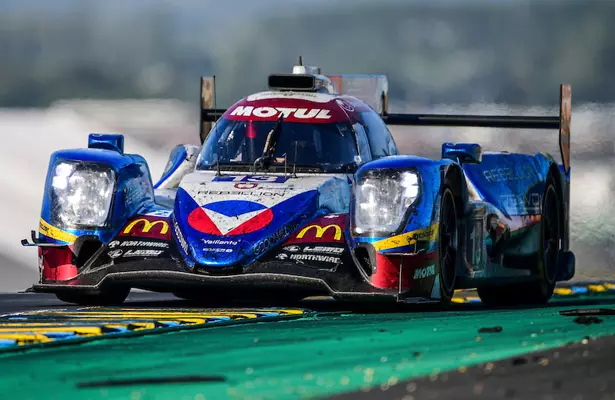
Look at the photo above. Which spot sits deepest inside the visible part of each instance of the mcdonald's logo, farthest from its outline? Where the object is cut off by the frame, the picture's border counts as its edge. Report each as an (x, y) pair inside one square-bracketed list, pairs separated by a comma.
[(147, 227), (320, 231)]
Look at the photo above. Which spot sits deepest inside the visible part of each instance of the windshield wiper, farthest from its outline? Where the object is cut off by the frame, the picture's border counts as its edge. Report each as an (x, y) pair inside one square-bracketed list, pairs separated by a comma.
[(270, 145)]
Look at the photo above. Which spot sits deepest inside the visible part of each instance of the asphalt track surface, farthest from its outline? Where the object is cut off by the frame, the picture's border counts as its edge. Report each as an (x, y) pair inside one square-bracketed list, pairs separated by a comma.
[(560, 351)]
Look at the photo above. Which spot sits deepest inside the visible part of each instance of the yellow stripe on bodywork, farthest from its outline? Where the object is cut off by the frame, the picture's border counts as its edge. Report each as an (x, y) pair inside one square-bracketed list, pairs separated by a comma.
[(55, 233), (408, 238)]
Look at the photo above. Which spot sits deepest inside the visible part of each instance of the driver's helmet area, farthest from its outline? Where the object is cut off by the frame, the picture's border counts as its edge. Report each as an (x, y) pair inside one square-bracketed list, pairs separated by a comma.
[(311, 144)]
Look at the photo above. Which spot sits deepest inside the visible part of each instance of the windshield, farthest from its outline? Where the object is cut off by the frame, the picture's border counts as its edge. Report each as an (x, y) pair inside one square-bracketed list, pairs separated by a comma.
[(328, 147)]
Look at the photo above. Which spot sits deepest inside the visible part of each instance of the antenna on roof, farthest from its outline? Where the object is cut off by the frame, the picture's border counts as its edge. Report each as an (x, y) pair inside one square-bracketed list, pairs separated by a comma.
[(300, 60), (295, 161)]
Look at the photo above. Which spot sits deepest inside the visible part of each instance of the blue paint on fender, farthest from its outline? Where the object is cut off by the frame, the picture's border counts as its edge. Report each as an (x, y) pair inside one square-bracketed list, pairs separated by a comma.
[(133, 188)]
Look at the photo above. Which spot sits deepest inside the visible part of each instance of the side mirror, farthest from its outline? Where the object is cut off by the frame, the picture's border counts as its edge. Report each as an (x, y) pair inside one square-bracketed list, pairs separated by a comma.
[(463, 153), (113, 142)]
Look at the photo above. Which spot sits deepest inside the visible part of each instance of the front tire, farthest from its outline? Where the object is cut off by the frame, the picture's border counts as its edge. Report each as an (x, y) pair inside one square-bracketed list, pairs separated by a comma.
[(448, 244), (539, 291)]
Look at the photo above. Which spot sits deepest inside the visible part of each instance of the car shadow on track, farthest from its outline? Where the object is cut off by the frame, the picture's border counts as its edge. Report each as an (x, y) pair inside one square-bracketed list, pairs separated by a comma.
[(332, 306)]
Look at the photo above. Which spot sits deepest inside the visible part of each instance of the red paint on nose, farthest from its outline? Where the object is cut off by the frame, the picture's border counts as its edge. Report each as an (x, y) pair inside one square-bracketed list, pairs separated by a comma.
[(57, 263)]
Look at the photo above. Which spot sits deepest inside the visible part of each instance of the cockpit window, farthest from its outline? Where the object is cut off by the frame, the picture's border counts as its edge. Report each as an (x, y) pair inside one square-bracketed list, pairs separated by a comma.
[(328, 147)]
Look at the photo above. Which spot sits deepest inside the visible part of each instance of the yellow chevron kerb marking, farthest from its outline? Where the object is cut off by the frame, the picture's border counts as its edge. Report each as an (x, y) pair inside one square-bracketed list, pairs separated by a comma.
[(25, 338), (48, 326)]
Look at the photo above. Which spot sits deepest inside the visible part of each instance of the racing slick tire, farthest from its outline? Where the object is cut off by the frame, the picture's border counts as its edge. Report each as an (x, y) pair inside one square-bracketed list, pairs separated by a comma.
[(113, 297), (448, 244), (540, 291)]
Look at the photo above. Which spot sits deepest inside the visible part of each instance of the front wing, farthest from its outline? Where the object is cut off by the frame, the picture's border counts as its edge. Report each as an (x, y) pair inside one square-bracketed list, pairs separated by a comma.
[(345, 281)]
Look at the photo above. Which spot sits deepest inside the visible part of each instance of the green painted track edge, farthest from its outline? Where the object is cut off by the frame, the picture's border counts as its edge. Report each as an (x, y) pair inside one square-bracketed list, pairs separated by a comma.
[(146, 332)]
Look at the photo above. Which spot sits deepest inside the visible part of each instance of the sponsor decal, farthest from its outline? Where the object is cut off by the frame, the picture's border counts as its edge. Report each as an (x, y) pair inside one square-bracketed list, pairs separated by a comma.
[(310, 96), (150, 227), (315, 257), (159, 213), (180, 238), (325, 229), (143, 253), (323, 249), (218, 250), (55, 233), (259, 188), (245, 185), (250, 193), (138, 243), (145, 248), (252, 178), (525, 172), (137, 189), (230, 217), (422, 273), (312, 253), (292, 249), (115, 253), (522, 204), (221, 242), (421, 234), (345, 105), (287, 112), (279, 235), (334, 230), (405, 239)]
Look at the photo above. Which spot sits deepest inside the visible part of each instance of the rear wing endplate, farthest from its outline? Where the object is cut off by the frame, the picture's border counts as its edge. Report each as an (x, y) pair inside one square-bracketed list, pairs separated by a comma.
[(373, 90)]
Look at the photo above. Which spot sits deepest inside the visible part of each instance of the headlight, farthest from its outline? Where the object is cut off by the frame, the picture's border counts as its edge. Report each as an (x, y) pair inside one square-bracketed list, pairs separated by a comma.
[(81, 194), (382, 199)]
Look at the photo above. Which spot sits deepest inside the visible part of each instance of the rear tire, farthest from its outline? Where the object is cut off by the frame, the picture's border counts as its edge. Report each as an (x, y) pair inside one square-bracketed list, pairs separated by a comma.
[(113, 297), (540, 291)]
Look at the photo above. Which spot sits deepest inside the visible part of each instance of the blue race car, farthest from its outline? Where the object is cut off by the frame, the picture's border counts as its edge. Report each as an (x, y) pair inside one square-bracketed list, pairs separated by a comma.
[(300, 191)]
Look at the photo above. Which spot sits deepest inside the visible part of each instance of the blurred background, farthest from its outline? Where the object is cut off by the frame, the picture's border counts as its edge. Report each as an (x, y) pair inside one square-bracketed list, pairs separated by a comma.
[(70, 67)]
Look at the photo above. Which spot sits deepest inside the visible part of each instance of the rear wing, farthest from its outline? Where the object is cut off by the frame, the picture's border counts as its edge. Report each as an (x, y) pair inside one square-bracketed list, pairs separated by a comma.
[(560, 122), (373, 90)]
